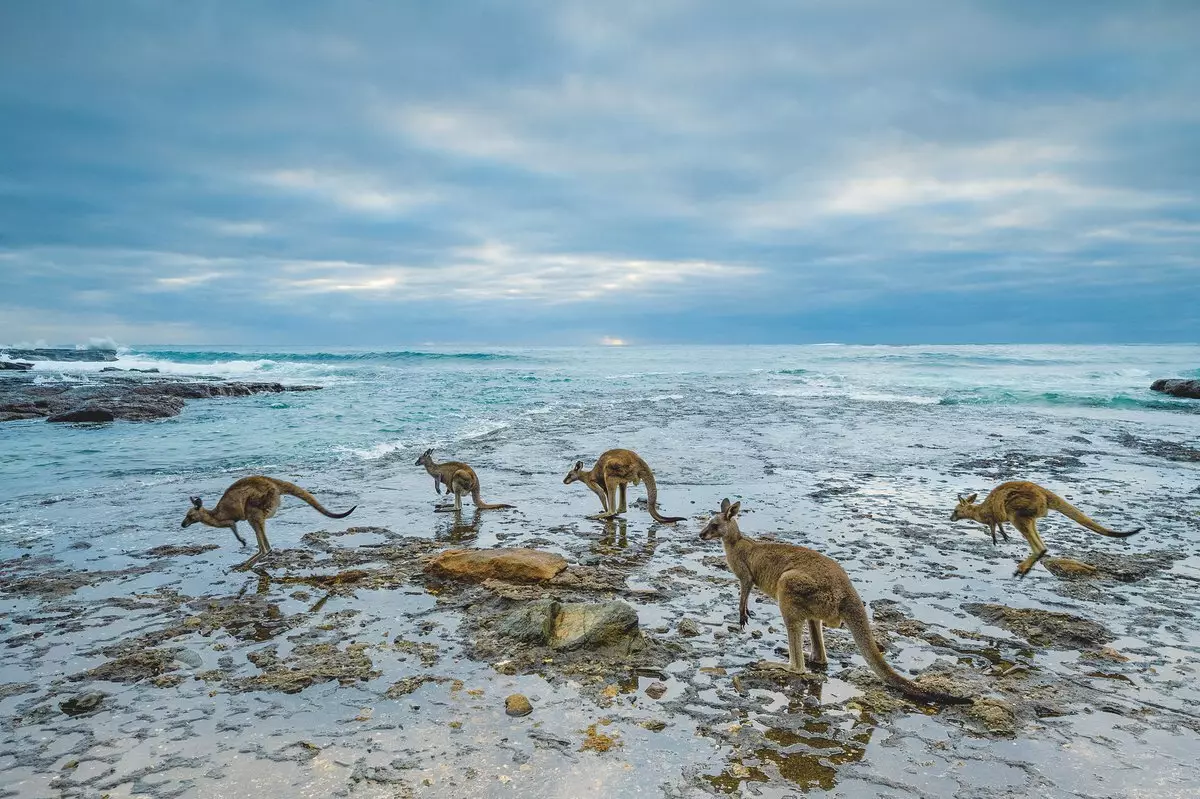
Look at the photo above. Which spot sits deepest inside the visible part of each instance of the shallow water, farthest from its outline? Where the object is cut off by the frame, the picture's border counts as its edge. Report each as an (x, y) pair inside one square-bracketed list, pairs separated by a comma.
[(855, 451)]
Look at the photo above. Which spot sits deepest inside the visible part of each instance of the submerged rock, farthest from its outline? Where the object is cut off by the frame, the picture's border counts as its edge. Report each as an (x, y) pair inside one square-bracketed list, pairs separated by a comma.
[(1043, 627), (1189, 389), (509, 565), (517, 705), (82, 704)]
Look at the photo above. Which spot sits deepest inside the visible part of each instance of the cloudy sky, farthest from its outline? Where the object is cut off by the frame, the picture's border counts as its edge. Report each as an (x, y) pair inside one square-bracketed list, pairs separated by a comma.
[(387, 173)]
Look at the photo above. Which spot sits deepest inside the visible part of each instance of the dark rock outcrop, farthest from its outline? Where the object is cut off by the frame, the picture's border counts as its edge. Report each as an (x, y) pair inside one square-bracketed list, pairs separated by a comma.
[(117, 397), (15, 366), (61, 354), (1189, 389)]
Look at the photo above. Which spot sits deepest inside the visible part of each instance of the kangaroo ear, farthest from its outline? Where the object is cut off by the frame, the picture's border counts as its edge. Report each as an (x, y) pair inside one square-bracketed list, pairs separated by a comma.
[(578, 464), (734, 509), (197, 503), (972, 498), (725, 505)]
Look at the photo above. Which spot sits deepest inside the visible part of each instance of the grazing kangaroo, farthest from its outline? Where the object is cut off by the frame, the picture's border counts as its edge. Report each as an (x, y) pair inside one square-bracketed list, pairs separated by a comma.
[(618, 468), (1022, 503), (459, 479), (254, 500), (809, 587)]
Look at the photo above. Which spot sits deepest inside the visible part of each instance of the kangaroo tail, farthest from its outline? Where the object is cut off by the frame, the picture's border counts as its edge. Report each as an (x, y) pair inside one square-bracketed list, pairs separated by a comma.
[(1074, 514), (479, 503), (300, 493), (652, 501), (854, 614)]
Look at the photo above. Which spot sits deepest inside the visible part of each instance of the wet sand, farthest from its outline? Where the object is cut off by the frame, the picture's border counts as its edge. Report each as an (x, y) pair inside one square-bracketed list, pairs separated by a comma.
[(388, 682)]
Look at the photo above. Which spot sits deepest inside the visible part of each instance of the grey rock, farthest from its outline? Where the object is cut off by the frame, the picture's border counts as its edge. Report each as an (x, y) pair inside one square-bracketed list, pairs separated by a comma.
[(15, 366), (82, 704), (571, 626), (1189, 389), (689, 628)]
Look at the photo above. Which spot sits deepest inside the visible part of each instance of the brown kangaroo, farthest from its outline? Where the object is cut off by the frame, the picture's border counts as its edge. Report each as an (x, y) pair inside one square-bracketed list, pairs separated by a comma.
[(459, 479), (1022, 503), (618, 468), (254, 500), (809, 587)]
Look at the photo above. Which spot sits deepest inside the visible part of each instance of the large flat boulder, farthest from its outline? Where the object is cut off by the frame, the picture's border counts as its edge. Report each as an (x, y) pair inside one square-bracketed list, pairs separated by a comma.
[(1178, 388), (510, 565)]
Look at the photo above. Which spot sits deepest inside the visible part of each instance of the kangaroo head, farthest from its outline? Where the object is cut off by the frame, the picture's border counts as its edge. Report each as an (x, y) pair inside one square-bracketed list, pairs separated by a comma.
[(576, 473), (961, 510), (724, 523), (193, 514), (426, 458)]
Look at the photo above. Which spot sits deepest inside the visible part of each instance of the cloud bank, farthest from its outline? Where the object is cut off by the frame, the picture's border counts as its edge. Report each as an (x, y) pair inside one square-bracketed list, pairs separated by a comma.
[(375, 173)]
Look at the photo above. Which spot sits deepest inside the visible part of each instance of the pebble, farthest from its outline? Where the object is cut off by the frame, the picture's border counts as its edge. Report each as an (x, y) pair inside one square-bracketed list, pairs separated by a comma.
[(517, 705), (656, 689)]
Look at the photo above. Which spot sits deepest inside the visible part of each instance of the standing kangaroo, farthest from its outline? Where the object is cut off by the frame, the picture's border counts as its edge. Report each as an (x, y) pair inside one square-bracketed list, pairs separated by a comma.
[(810, 588), (1022, 503), (459, 479), (618, 468), (254, 500)]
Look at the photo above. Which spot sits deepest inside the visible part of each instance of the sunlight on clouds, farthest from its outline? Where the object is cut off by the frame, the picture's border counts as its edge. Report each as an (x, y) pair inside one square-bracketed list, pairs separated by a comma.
[(496, 270), (349, 191)]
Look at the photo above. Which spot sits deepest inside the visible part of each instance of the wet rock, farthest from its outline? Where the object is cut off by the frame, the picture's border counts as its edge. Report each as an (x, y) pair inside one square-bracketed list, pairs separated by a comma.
[(15, 366), (517, 705), (173, 550), (1170, 450), (113, 397), (62, 354), (509, 565), (1069, 568), (189, 658), (82, 704), (996, 715), (1043, 627), (407, 685), (309, 664), (1189, 389), (656, 689), (572, 626), (688, 628), (133, 666)]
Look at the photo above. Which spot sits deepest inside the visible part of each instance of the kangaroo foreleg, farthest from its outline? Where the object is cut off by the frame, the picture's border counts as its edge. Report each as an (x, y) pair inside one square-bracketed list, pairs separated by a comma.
[(743, 601), (236, 534)]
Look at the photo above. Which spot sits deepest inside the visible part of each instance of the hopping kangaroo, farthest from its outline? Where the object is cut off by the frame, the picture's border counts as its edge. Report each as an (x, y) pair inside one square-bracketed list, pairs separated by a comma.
[(1022, 503), (618, 468), (809, 587), (253, 500), (459, 479)]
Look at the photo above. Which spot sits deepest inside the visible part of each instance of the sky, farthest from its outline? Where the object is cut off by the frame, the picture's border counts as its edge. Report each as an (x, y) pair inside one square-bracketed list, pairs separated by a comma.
[(388, 173)]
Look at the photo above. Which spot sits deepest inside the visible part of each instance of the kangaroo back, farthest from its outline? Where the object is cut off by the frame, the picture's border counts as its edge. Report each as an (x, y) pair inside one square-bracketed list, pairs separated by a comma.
[(854, 614), (652, 500), (1055, 502), (296, 491)]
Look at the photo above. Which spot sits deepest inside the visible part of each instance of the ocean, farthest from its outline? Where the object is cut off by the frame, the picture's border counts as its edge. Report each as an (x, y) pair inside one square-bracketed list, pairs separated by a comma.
[(857, 451)]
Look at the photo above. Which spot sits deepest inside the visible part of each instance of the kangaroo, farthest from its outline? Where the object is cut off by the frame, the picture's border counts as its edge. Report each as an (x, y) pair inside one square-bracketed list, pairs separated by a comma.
[(618, 468), (254, 500), (459, 479), (1022, 503), (809, 587)]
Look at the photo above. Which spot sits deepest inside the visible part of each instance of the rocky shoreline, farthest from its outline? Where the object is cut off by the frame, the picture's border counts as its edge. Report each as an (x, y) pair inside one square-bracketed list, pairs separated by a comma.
[(113, 397)]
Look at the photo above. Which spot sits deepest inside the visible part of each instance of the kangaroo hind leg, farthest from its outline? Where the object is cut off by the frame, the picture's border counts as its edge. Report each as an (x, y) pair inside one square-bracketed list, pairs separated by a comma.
[(817, 656), (258, 523), (1027, 526)]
